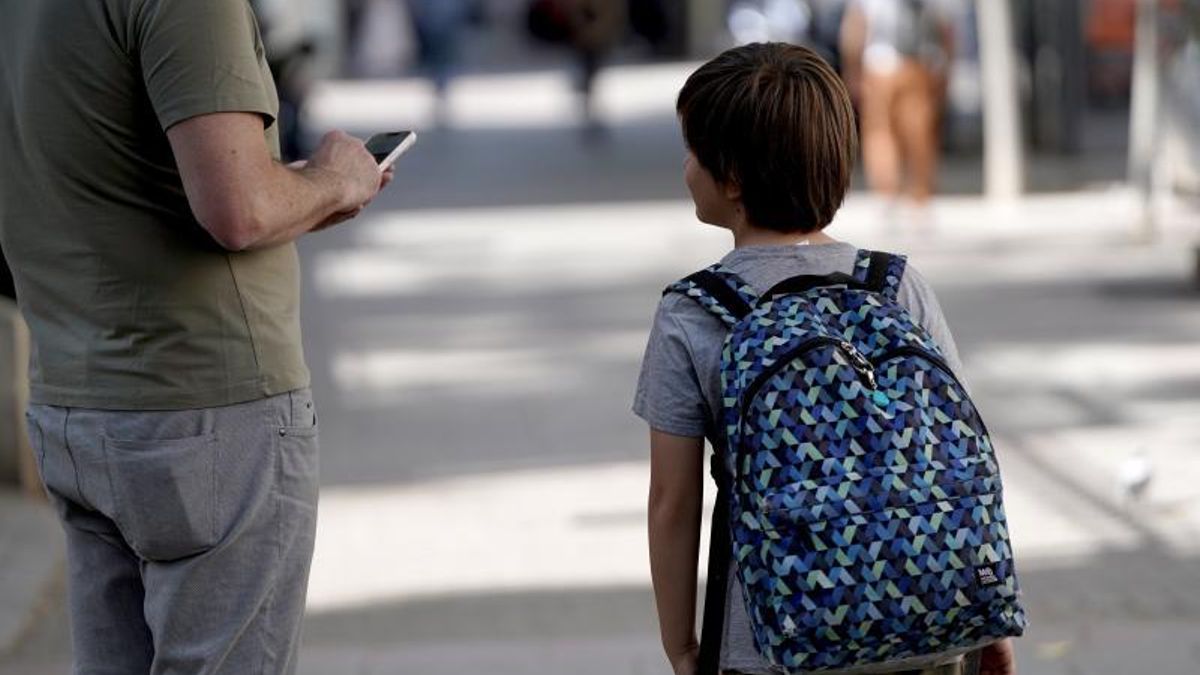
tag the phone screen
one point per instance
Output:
(386, 147)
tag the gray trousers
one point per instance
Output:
(189, 533)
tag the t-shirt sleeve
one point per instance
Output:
(918, 296)
(669, 397)
(200, 57)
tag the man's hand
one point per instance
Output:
(686, 662)
(347, 157)
(998, 659)
(348, 214)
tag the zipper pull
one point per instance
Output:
(859, 363)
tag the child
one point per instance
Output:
(771, 142)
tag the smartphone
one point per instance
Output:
(387, 147)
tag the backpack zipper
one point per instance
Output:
(857, 361)
(939, 363)
(864, 366)
(757, 384)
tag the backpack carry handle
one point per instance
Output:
(874, 271)
(807, 282)
(726, 295)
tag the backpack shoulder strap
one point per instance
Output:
(716, 591)
(880, 272)
(720, 291)
(728, 297)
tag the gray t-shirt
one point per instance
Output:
(679, 390)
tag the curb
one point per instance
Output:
(32, 559)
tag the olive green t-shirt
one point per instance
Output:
(131, 304)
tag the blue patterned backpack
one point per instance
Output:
(860, 497)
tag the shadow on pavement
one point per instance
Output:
(1108, 588)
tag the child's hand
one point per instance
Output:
(686, 662)
(998, 659)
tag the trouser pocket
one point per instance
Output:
(298, 465)
(37, 441)
(164, 495)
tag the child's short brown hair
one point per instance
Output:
(774, 119)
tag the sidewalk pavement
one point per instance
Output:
(1081, 343)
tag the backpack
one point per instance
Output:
(859, 497)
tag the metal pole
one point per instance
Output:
(1003, 156)
(1145, 114)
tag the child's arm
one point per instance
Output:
(676, 492)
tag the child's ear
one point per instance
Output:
(732, 190)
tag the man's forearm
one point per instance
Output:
(674, 549)
(290, 203)
(247, 200)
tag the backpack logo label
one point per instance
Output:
(986, 576)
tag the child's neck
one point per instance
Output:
(756, 236)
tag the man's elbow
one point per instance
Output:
(233, 229)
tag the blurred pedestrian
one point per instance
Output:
(896, 55)
(352, 25)
(595, 29)
(387, 44)
(771, 144)
(150, 228)
(289, 52)
(1110, 31)
(826, 31)
(651, 20)
(439, 27)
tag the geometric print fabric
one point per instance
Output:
(866, 516)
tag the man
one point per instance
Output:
(149, 230)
